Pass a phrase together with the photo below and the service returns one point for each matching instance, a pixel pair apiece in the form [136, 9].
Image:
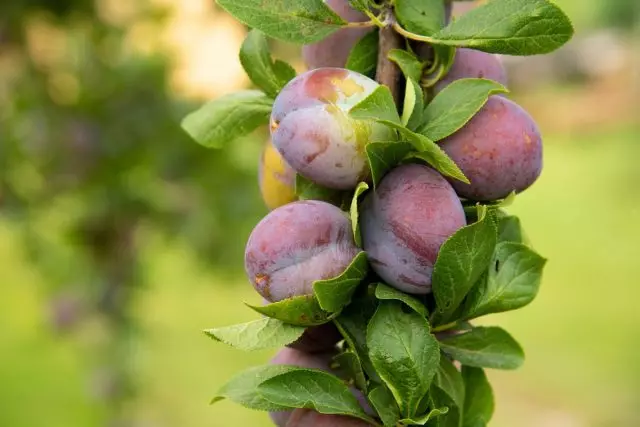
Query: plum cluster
[404, 221]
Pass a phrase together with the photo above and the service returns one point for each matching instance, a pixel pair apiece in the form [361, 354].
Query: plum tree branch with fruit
[388, 233]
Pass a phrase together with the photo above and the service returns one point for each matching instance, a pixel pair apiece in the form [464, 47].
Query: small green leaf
[412, 112]
[485, 347]
[453, 417]
[296, 21]
[362, 5]
[384, 156]
[241, 389]
[382, 401]
[510, 27]
[257, 335]
[309, 190]
[387, 293]
[257, 63]
[422, 420]
[449, 380]
[227, 118]
[301, 311]
[355, 224]
[513, 281]
[364, 55]
[510, 229]
[334, 294]
[461, 261]
[423, 17]
[404, 353]
[312, 389]
[478, 409]
[408, 62]
[378, 106]
[452, 108]
[351, 367]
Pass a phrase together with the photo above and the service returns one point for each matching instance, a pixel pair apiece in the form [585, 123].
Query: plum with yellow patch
[296, 245]
[311, 127]
[499, 150]
[277, 179]
[405, 221]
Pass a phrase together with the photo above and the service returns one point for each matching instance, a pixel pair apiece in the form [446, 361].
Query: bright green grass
[582, 335]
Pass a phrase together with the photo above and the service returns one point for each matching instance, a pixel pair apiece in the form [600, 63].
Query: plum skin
[311, 128]
[334, 50]
[405, 221]
[276, 178]
[297, 244]
[499, 150]
[470, 63]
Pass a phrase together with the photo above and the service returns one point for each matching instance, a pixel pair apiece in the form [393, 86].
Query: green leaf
[362, 5]
[449, 380]
[478, 410]
[461, 261]
[241, 389]
[355, 224]
[309, 190]
[384, 156]
[364, 55]
[334, 294]
[453, 417]
[257, 63]
[404, 353]
[383, 402]
[296, 21]
[408, 62]
[378, 106]
[387, 293]
[312, 389]
[257, 335]
[412, 111]
[351, 367]
[452, 108]
[422, 420]
[225, 119]
[484, 347]
[510, 27]
[513, 281]
[510, 229]
[301, 311]
[423, 17]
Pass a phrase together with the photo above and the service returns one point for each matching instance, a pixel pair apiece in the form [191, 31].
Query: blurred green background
[120, 239]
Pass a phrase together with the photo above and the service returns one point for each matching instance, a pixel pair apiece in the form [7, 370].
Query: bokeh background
[120, 239]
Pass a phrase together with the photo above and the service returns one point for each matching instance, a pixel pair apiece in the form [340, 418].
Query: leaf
[408, 62]
[458, 102]
[350, 365]
[241, 389]
[378, 106]
[360, 189]
[422, 420]
[382, 401]
[412, 111]
[423, 17]
[312, 389]
[296, 21]
[404, 354]
[478, 409]
[228, 118]
[461, 261]
[484, 347]
[257, 335]
[384, 156]
[301, 311]
[513, 281]
[364, 55]
[309, 190]
[453, 416]
[510, 229]
[510, 27]
[449, 380]
[387, 293]
[257, 63]
[334, 294]
[362, 5]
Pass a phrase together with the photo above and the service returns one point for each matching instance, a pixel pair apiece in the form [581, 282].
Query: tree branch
[388, 72]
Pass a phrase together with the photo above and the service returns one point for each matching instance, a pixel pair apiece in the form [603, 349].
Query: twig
[388, 72]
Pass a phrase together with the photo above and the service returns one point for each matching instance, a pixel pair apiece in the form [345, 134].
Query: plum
[297, 244]
[277, 179]
[471, 63]
[309, 418]
[499, 150]
[311, 128]
[334, 50]
[405, 221]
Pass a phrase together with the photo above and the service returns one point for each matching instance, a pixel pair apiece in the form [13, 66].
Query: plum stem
[388, 73]
[408, 34]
